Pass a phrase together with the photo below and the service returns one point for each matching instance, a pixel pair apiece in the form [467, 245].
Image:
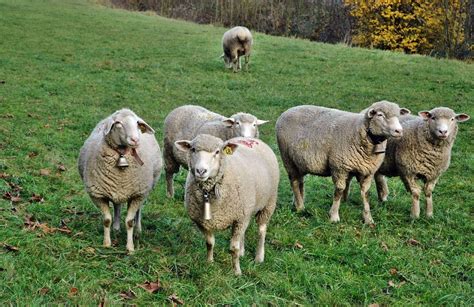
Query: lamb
[187, 121]
[423, 153]
[227, 184]
[237, 42]
[120, 163]
[329, 142]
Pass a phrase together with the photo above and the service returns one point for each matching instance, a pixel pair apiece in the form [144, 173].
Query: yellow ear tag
[228, 151]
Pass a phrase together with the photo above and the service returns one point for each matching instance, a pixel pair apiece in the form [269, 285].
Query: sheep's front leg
[238, 232]
[364, 189]
[133, 207]
[414, 189]
[210, 242]
[103, 205]
[117, 211]
[339, 180]
[382, 187]
[138, 221]
[429, 187]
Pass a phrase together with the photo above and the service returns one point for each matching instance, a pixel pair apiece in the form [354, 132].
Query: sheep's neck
[122, 151]
[379, 142]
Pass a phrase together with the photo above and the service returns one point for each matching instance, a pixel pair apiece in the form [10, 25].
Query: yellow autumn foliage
[412, 26]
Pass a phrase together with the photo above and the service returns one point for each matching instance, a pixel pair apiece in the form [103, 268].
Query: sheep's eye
[452, 118]
[433, 118]
[193, 149]
[217, 152]
[380, 114]
[254, 125]
[237, 123]
[142, 127]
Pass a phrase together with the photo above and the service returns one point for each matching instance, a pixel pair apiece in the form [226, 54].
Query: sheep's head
[383, 117]
[227, 60]
[124, 128]
[244, 124]
[205, 154]
[443, 121]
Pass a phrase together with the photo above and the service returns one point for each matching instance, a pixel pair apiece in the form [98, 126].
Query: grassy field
[64, 65]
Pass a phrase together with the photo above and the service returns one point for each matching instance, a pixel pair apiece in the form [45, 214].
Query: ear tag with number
[228, 151]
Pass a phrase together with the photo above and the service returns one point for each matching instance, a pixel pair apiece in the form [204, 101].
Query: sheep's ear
[404, 111]
[261, 122]
[228, 122]
[229, 148]
[425, 115]
[108, 125]
[462, 117]
[144, 127]
[183, 145]
[371, 113]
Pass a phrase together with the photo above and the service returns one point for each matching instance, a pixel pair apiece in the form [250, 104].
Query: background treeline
[435, 27]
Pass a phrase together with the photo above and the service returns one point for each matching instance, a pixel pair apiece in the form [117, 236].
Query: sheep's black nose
[443, 132]
[201, 171]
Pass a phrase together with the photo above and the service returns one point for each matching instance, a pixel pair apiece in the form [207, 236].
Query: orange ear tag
[228, 151]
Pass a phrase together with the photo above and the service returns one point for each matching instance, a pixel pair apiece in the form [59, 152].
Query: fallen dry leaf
[36, 198]
[73, 291]
[33, 225]
[373, 305]
[32, 154]
[8, 115]
[43, 290]
[393, 271]
[47, 126]
[384, 246]
[4, 176]
[393, 285]
[10, 248]
[413, 242]
[11, 197]
[127, 295]
[151, 286]
[45, 172]
[298, 245]
[61, 167]
[173, 298]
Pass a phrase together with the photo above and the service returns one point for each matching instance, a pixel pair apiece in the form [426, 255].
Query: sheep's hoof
[429, 215]
[368, 220]
[238, 272]
[335, 218]
[259, 258]
[107, 243]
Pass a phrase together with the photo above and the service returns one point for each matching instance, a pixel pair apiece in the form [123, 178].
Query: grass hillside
[65, 65]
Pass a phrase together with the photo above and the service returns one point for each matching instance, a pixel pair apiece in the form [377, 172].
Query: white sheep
[423, 153]
[185, 122]
[329, 142]
[120, 163]
[227, 184]
[237, 42]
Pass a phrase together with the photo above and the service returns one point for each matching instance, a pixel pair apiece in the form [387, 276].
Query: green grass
[68, 64]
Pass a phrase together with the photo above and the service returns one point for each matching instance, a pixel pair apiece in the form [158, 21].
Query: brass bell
[122, 161]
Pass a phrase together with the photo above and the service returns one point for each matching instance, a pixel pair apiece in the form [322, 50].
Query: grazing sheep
[227, 184]
[329, 142]
[237, 42]
[120, 162]
[423, 153]
[185, 122]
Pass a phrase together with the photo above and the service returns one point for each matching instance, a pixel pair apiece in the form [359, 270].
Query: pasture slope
[64, 65]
